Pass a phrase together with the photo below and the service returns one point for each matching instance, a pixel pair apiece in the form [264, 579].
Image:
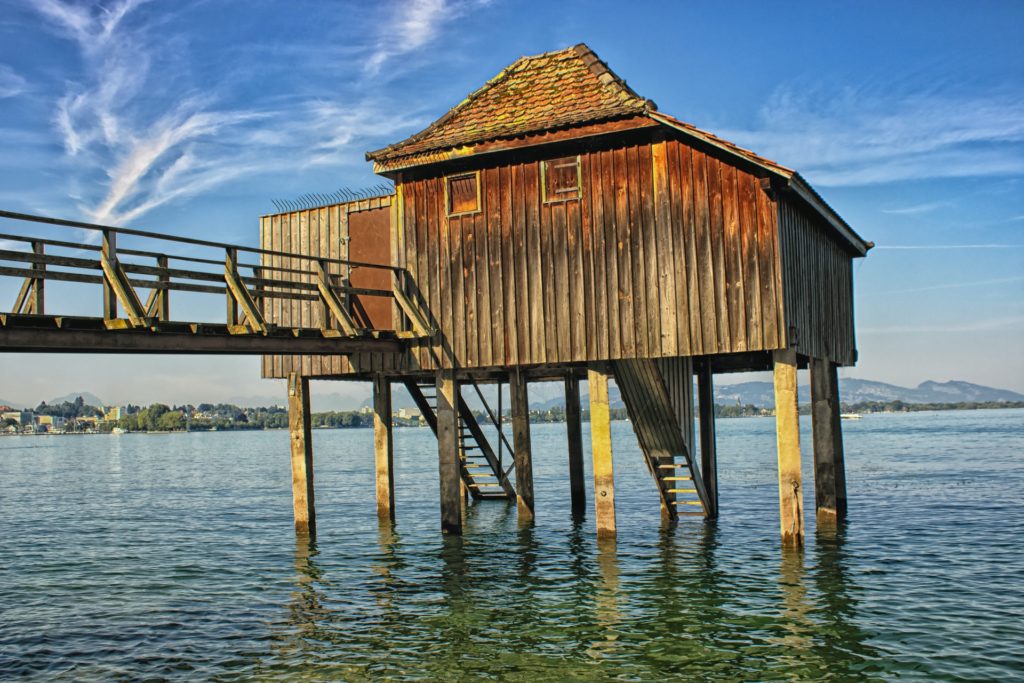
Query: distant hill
[90, 399]
[857, 390]
[762, 394]
[12, 404]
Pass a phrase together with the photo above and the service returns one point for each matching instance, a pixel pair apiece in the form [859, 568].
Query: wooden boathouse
[556, 226]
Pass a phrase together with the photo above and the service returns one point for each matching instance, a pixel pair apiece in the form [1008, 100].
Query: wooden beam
[708, 446]
[211, 339]
[109, 250]
[574, 428]
[383, 445]
[448, 451]
[829, 474]
[601, 452]
[303, 502]
[787, 435]
[330, 299]
[523, 455]
[239, 293]
[38, 284]
[117, 285]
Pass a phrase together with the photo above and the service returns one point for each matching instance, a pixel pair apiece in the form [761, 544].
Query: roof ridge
[606, 80]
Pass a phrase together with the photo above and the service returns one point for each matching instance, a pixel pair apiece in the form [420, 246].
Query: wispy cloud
[959, 285]
[991, 324]
[866, 135]
[948, 246]
[11, 83]
[413, 24]
[173, 144]
[917, 208]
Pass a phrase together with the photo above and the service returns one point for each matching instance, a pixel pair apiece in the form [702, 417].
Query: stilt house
[556, 225]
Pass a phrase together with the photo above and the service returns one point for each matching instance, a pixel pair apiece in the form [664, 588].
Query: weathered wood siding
[318, 232]
[669, 251]
[818, 286]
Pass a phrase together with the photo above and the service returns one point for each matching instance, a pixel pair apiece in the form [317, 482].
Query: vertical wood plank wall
[818, 286]
[668, 252]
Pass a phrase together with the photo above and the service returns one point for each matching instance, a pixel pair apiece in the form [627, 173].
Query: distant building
[408, 413]
[113, 414]
[22, 417]
[51, 422]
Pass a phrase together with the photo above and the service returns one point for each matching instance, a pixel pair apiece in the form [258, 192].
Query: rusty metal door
[370, 242]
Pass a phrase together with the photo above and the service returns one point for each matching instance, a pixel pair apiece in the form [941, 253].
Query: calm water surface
[173, 557]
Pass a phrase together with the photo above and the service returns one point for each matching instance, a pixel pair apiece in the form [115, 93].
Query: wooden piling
[708, 446]
[521, 444]
[601, 452]
[303, 501]
[829, 468]
[787, 435]
[574, 428]
[383, 445]
[448, 451]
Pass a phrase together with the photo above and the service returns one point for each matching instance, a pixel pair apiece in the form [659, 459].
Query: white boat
[117, 430]
[850, 416]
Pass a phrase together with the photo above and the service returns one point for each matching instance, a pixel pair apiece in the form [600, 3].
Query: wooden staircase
[483, 471]
[659, 400]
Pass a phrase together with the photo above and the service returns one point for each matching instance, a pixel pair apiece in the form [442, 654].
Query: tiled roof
[544, 92]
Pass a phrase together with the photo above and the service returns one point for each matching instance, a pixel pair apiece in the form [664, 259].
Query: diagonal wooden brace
[117, 280]
[253, 318]
[330, 298]
[30, 297]
[411, 310]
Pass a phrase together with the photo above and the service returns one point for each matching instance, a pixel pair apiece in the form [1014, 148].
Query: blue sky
[189, 117]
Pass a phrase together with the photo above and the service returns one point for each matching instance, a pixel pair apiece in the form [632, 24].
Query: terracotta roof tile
[543, 92]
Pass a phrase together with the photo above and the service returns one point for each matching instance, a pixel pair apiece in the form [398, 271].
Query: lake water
[173, 557]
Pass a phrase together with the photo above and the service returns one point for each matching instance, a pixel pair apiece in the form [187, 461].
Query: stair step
[484, 486]
[673, 466]
[687, 502]
[682, 491]
[677, 478]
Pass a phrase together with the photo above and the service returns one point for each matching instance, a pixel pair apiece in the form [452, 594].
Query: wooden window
[463, 193]
[561, 179]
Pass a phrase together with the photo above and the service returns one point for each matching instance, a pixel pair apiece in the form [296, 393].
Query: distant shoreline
[542, 417]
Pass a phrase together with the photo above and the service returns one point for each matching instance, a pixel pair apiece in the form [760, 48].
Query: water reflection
[606, 601]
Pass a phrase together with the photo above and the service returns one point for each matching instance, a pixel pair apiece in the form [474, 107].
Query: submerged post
[383, 446]
[787, 436]
[521, 443]
[448, 451]
[601, 447]
[574, 427]
[302, 454]
[829, 468]
[708, 447]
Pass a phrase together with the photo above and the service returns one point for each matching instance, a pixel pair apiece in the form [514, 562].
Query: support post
[523, 456]
[601, 447]
[574, 427]
[708, 446]
[787, 437]
[302, 454]
[39, 283]
[383, 447]
[109, 296]
[448, 451]
[829, 468]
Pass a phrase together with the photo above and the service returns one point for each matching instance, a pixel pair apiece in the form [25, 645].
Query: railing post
[232, 303]
[260, 292]
[38, 283]
[109, 296]
[163, 297]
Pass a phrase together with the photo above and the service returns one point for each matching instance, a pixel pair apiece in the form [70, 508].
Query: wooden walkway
[135, 304]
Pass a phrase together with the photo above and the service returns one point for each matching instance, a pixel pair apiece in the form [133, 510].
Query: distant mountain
[12, 404]
[762, 394]
[858, 390]
[90, 399]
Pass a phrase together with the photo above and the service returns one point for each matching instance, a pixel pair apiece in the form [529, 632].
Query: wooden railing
[242, 275]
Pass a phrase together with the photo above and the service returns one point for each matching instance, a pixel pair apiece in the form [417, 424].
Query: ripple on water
[172, 556]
